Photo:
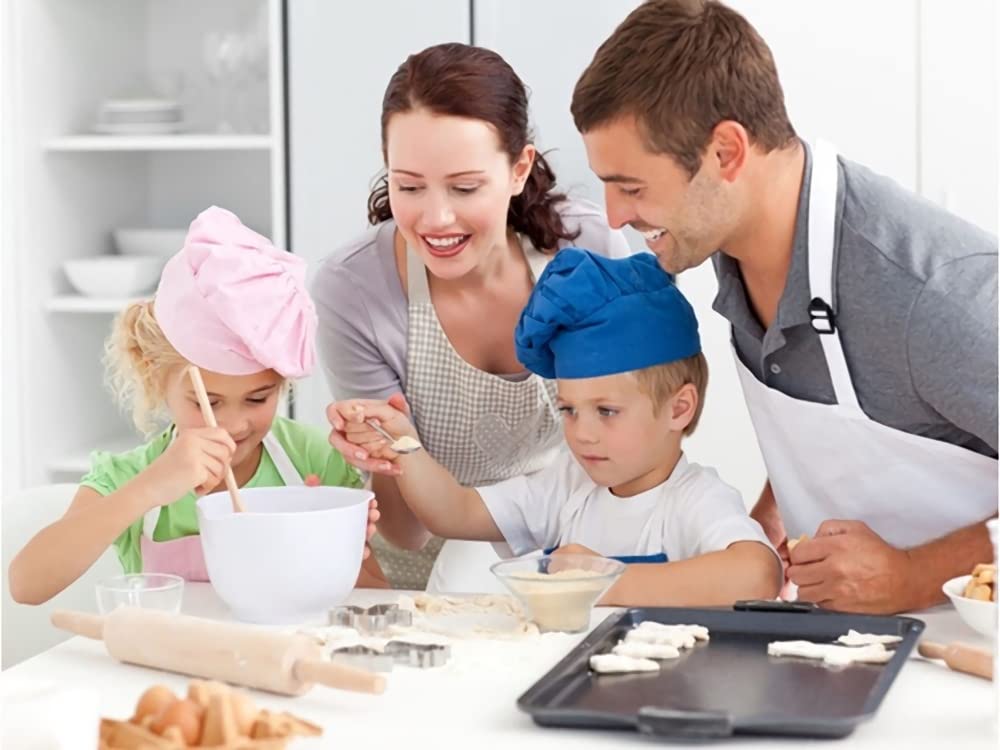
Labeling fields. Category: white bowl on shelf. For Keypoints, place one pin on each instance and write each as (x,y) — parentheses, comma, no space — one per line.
(113,275)
(979,615)
(160,243)
(292,556)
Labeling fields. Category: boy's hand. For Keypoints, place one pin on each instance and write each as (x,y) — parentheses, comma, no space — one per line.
(574,549)
(196,460)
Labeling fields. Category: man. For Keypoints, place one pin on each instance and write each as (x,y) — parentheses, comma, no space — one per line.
(864,319)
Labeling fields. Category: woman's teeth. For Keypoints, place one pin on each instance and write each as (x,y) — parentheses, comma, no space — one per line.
(446,241)
(653,235)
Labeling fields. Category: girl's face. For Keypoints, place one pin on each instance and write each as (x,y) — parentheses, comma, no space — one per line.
(244,405)
(450,186)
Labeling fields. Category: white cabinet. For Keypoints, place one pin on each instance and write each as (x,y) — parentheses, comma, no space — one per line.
(71,188)
(339,63)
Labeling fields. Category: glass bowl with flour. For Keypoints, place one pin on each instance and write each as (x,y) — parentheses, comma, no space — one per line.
(559,591)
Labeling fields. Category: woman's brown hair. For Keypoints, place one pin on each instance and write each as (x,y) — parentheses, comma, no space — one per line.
(464,81)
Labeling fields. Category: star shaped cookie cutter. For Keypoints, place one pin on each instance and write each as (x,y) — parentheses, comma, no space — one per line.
(374,619)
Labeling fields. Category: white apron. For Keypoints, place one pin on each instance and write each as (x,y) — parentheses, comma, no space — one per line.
(832,461)
(184,556)
(483,428)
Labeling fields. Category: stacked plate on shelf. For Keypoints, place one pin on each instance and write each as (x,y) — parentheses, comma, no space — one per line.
(139,117)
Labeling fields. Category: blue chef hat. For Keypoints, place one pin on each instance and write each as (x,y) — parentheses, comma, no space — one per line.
(590,316)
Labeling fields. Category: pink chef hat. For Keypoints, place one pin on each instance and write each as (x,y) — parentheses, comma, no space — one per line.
(232,303)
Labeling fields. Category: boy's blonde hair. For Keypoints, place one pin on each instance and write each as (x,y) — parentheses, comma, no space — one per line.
(138,361)
(660,382)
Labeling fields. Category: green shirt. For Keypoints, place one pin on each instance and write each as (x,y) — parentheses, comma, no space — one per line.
(307,448)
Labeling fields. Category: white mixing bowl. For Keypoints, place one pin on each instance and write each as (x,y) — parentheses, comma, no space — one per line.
(294,554)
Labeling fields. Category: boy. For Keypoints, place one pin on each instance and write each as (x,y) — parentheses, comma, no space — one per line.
(623,343)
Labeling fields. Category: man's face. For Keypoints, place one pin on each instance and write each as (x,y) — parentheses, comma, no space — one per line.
(683,219)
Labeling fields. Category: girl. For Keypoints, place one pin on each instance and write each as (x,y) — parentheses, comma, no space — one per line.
(236,307)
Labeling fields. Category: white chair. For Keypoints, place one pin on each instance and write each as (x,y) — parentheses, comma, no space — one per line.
(26,628)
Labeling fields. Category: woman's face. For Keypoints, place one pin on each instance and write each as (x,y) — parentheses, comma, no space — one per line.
(450,185)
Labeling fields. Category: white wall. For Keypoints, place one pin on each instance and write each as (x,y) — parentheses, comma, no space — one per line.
(339,65)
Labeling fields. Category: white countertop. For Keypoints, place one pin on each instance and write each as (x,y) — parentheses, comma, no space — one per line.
(471,701)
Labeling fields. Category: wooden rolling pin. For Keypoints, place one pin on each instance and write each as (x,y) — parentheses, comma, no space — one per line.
(961,658)
(226,651)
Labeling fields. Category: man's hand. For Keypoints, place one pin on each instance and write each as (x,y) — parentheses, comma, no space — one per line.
(847,566)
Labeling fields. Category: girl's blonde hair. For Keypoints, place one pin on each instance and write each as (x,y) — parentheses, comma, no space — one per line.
(138,361)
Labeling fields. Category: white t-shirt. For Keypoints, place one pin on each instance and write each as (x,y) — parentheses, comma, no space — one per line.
(691,513)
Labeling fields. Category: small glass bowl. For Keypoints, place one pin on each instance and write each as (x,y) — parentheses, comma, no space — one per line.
(160,591)
(558,591)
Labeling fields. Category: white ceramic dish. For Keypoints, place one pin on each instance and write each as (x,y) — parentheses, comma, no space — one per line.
(113,276)
(979,615)
(291,557)
(160,243)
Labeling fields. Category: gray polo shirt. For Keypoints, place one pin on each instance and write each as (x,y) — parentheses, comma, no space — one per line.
(363,313)
(916,297)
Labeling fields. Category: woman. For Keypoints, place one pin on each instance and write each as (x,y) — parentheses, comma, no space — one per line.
(423,306)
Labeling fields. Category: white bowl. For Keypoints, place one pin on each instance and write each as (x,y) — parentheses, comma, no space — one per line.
(113,276)
(979,615)
(294,554)
(162,243)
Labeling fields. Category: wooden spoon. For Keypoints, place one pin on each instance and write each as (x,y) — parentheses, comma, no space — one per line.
(209,417)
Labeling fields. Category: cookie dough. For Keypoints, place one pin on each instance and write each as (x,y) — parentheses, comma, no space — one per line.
(617,664)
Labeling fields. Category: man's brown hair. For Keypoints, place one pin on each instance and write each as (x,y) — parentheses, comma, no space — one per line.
(660,382)
(680,67)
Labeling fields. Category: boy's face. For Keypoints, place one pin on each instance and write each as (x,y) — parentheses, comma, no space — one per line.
(610,427)
(244,405)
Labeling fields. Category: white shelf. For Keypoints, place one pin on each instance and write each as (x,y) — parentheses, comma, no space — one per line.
(78,462)
(180,142)
(74,303)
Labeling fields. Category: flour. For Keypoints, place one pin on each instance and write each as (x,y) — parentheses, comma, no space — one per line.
(559,601)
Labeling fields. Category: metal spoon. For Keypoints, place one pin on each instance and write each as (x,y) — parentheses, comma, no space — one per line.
(396,446)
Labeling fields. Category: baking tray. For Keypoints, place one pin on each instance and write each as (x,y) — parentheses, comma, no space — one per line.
(729,685)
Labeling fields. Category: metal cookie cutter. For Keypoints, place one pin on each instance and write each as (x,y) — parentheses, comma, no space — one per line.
(372,619)
(420,655)
(363,658)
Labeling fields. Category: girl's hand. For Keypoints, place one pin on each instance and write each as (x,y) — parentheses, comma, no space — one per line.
(373,516)
(358,442)
(195,460)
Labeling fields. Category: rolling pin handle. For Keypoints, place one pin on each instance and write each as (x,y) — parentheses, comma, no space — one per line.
(339,676)
(86,624)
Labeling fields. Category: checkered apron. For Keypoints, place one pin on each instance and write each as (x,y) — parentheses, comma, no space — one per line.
(483,428)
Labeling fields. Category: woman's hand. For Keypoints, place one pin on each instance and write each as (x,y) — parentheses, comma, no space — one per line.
(360,445)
